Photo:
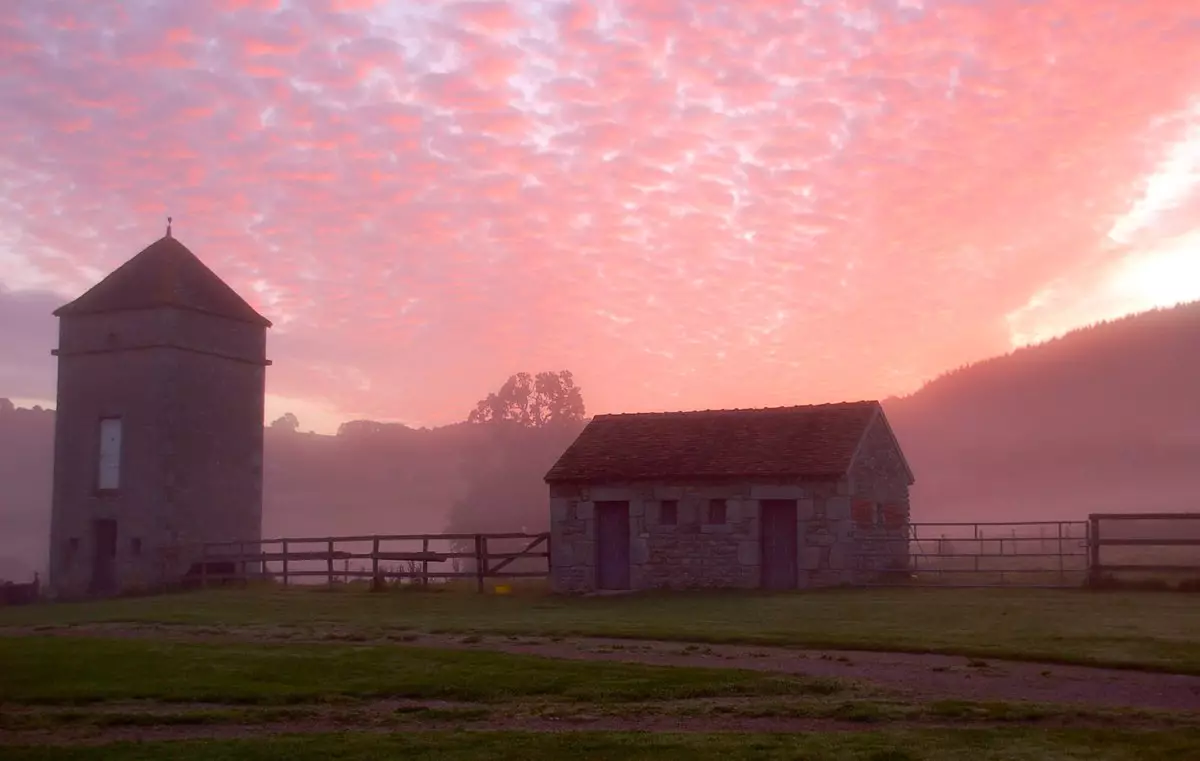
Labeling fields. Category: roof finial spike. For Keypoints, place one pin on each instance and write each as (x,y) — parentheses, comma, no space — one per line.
(168,227)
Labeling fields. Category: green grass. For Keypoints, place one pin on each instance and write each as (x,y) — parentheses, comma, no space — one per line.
(78,670)
(1124,629)
(922,745)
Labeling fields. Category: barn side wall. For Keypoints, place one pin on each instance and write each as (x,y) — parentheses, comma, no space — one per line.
(692,554)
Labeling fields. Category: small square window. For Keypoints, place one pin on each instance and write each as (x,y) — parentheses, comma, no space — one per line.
(716,511)
(668,512)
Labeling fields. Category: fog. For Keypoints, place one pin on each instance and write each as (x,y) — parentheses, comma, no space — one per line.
(1105,419)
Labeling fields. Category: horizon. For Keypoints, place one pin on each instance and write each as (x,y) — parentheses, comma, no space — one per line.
(665,200)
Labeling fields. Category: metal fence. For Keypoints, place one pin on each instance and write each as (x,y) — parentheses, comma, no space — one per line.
(1028,554)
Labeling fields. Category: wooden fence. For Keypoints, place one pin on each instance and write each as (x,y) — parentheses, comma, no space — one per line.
(412,558)
(1030,554)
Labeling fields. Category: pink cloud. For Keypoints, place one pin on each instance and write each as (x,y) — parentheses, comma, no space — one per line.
(687,204)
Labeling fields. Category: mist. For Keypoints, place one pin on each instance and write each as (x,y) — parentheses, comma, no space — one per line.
(1103,419)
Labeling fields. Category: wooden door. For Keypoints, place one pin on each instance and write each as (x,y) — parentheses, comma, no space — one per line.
(780,545)
(104,557)
(612,545)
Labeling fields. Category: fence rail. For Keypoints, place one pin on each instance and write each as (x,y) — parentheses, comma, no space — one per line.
(469,556)
(1140,544)
(962,554)
(1026,554)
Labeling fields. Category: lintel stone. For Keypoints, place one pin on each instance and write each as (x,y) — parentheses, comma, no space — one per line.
(610,494)
(778,491)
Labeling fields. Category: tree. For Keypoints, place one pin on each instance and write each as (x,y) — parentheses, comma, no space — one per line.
(505,464)
(547,399)
(287,422)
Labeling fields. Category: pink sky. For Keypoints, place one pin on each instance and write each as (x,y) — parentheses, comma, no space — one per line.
(688,204)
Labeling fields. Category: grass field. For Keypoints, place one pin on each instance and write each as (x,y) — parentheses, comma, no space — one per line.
(231,674)
(85,670)
(1122,629)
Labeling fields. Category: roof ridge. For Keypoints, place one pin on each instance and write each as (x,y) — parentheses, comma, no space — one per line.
(729,410)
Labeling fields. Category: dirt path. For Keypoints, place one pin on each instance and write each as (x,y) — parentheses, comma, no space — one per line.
(918,676)
(922,676)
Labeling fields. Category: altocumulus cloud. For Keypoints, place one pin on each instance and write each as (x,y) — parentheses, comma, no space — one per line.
(687,203)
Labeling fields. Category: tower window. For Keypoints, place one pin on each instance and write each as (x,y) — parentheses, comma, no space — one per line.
(110,454)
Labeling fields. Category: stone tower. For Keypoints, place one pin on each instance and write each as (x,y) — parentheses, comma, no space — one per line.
(159,424)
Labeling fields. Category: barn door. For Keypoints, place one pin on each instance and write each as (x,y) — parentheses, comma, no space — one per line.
(779,544)
(612,545)
(104,559)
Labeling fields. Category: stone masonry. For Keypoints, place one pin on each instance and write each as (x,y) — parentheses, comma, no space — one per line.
(849,529)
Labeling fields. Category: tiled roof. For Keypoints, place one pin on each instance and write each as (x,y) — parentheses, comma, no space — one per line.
(814,441)
(164,274)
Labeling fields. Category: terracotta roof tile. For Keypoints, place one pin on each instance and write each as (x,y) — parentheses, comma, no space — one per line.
(164,274)
(813,441)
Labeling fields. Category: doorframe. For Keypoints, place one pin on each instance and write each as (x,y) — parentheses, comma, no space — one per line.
(598,543)
(762,544)
(113,582)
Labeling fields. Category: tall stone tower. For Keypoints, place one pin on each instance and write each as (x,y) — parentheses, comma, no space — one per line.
(159,424)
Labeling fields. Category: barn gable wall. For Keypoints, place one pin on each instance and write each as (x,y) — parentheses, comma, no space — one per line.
(879,482)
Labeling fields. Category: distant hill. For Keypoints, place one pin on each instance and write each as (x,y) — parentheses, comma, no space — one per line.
(1103,419)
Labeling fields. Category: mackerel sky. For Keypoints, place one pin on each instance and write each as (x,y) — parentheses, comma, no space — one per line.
(688,204)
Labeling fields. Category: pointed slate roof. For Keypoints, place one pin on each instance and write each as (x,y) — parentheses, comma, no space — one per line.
(164,274)
(810,442)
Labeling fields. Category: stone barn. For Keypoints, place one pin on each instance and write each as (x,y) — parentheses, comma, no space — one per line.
(759,498)
(159,424)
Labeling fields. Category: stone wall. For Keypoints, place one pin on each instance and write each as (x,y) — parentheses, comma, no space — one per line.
(692,553)
(189,389)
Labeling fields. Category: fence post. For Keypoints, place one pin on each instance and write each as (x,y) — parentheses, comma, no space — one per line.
(375,562)
(425,563)
(285,563)
(329,563)
(480,561)
(1062,572)
(1093,540)
(242,563)
(204,566)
